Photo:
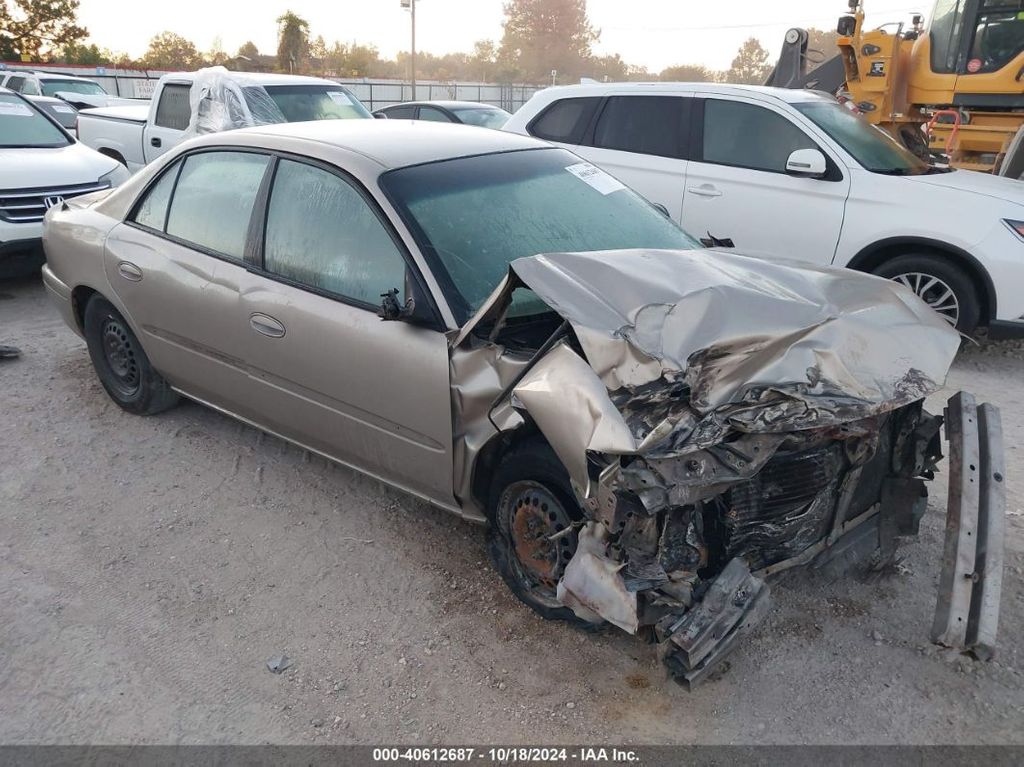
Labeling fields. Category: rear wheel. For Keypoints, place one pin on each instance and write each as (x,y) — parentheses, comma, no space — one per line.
(531,500)
(121,365)
(943,285)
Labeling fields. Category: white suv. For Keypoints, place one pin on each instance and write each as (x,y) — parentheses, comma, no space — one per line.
(40,167)
(792,174)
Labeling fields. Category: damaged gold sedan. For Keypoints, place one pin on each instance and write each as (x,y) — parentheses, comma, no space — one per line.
(649,430)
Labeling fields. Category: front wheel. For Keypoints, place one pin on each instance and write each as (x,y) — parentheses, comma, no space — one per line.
(943,285)
(531,536)
(121,365)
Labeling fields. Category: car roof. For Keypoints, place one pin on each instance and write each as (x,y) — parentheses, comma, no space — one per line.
(447,104)
(259,78)
(395,143)
(789,95)
(58,76)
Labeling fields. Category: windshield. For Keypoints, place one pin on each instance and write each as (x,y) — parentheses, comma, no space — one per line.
(481,116)
(473,216)
(53,87)
(299,103)
(22,126)
(870,146)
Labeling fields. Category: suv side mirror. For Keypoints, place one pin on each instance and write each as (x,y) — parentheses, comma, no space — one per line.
(807,162)
(415,308)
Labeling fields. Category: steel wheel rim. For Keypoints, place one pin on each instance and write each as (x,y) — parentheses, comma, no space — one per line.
(934,292)
(531,514)
(120,355)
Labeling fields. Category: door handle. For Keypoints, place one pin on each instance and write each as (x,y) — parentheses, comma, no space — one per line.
(704,191)
(155,141)
(267,325)
(129,271)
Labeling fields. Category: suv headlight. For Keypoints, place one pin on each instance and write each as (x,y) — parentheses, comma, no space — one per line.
(117,176)
(1017,227)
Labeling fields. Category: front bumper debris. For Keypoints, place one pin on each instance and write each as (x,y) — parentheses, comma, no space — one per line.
(967,611)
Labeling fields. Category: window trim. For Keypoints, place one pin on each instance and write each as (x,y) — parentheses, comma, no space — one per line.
(833,172)
(258,230)
(179,162)
(684,145)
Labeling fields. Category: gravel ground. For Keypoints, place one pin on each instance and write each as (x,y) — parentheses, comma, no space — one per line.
(149,567)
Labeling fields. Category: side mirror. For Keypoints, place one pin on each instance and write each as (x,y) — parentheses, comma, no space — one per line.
(414,309)
(847,26)
(380,115)
(810,163)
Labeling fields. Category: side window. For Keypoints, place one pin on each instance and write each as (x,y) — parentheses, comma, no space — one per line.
(30,87)
(152,211)
(322,233)
(565,120)
(173,111)
(748,136)
(15,82)
(401,113)
(214,198)
(433,115)
(643,124)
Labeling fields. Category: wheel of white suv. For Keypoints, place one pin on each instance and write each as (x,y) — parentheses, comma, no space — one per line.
(941,284)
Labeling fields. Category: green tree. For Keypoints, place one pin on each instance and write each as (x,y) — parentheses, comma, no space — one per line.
(483,60)
(217,56)
(608,68)
(171,51)
(545,35)
(318,54)
(688,73)
(34,28)
(750,67)
(249,50)
(89,55)
(292,42)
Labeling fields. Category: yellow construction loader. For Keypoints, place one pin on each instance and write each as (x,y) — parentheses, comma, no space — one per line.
(952,89)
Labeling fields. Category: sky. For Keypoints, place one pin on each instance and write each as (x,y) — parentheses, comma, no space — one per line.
(652,33)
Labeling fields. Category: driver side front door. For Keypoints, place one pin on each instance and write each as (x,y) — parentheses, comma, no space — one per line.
(325,370)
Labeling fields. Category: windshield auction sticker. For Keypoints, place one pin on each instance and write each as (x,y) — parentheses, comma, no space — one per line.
(595,177)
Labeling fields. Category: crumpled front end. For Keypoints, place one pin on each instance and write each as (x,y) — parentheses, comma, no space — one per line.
(721,419)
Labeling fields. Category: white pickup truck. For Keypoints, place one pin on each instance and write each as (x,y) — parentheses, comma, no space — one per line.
(188,104)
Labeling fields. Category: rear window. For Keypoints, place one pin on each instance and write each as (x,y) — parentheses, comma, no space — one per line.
(23,127)
(565,120)
(174,110)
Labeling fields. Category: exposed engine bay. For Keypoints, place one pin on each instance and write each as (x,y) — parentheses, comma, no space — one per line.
(708,448)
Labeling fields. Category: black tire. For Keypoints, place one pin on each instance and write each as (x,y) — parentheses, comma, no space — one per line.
(121,364)
(916,269)
(532,470)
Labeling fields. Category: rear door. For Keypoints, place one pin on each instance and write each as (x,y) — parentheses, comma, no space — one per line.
(175,264)
(173,111)
(325,370)
(737,187)
(641,139)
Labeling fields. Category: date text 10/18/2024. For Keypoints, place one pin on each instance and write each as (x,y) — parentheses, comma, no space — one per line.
(505,754)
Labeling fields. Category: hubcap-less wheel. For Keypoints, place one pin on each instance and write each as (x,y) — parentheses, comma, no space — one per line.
(120,355)
(934,292)
(531,515)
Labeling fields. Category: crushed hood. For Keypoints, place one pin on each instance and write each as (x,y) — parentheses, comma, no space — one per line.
(737,327)
(683,348)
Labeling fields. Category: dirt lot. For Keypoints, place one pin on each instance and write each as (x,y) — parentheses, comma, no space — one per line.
(150,567)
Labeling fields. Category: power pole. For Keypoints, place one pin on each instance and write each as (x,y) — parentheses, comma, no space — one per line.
(411,6)
(412,57)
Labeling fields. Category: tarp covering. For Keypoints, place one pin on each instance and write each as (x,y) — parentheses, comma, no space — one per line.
(221,100)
